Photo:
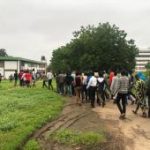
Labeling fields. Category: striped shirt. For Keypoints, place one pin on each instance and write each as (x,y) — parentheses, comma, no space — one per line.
(123,85)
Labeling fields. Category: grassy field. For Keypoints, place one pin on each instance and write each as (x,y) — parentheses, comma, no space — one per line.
(23,110)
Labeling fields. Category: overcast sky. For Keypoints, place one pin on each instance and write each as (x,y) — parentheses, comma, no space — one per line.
(31,28)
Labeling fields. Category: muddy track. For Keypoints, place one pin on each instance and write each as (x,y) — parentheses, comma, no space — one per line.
(62,123)
(65,120)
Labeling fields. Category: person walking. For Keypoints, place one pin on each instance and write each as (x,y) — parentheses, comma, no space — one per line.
(140,90)
(50,77)
(20,77)
(61,83)
(114,87)
(123,86)
(92,84)
(101,88)
(44,81)
(27,78)
(78,87)
(15,78)
(68,84)
(148,94)
(84,85)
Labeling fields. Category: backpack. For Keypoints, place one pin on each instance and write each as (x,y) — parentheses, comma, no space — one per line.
(101,85)
(78,81)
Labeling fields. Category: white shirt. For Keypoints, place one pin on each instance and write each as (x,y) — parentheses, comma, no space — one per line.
(100,79)
(49,76)
(84,80)
(92,82)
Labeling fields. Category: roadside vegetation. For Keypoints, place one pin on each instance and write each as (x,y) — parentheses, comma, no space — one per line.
(70,137)
(23,110)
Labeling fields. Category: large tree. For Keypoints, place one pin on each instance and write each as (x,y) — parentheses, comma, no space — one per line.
(96,48)
(3,52)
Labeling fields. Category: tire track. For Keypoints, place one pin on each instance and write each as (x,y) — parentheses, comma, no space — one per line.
(70,114)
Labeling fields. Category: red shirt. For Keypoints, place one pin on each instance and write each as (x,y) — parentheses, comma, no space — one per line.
(28,76)
(110,77)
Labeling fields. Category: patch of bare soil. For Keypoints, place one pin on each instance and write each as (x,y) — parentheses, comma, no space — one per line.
(135,129)
(132,133)
(82,118)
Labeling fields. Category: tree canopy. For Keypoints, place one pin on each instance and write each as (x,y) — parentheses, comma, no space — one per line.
(103,47)
(3,52)
(147,66)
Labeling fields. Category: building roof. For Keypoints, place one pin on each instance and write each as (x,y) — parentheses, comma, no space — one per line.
(11,58)
(146,51)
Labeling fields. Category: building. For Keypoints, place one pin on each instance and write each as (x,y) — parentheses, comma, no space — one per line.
(9,64)
(142,59)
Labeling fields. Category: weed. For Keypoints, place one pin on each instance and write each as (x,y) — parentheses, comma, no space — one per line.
(77,138)
(32,145)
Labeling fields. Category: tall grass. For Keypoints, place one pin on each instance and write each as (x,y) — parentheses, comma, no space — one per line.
(23,110)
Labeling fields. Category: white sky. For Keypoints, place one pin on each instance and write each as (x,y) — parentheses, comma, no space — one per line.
(31,28)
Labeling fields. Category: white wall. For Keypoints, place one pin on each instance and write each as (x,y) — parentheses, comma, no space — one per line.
(8,73)
(2,71)
(11,65)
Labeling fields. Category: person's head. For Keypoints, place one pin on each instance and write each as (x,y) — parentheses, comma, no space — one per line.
(67,74)
(137,77)
(123,72)
(115,73)
(96,74)
(78,73)
(100,74)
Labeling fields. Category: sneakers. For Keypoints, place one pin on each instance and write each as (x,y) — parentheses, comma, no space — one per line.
(132,103)
(103,104)
(134,111)
(122,116)
(144,115)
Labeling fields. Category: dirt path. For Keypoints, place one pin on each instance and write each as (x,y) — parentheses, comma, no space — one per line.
(135,128)
(130,134)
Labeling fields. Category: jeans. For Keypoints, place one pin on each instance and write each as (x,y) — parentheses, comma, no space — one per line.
(50,84)
(69,90)
(78,94)
(122,108)
(92,95)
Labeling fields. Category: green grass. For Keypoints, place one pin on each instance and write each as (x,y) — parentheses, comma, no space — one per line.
(23,110)
(70,137)
(32,145)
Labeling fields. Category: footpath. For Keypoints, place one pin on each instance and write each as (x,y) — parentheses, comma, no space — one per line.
(132,133)
(135,128)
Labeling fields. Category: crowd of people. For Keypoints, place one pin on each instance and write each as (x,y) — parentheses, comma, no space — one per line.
(99,87)
(25,77)
(95,87)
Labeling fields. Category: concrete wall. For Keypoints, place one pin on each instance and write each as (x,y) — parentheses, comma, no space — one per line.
(2,71)
(9,68)
(10,65)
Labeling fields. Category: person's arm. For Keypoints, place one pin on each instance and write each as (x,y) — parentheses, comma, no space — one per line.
(23,76)
(112,85)
(118,85)
(89,83)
